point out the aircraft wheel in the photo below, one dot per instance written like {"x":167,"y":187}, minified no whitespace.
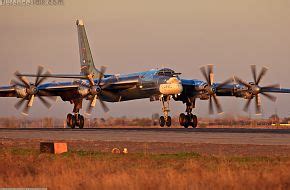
{"x":182,"y":119}
{"x":68,"y":119}
{"x":81,"y":121}
{"x":71,"y":121}
{"x":194,"y":121}
{"x":162,"y":121}
{"x":168,"y":122}
{"x":187,"y":121}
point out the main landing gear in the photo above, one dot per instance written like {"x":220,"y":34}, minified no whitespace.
{"x":188,"y":119}
{"x":76,"y":119}
{"x":166,"y":119}
{"x":185,"y":120}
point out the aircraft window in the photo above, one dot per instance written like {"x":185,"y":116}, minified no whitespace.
{"x":165,"y":72}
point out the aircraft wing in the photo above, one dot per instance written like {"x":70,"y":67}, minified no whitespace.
{"x":48,"y":89}
{"x":7,"y":91}
{"x":68,"y":90}
{"x":277,"y":90}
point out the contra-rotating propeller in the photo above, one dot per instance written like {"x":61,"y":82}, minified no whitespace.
{"x":211,"y":88}
{"x":253,"y":89}
{"x":97,"y":91}
{"x":30,"y":90}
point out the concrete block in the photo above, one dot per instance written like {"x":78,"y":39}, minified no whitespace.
{"x":53,"y":147}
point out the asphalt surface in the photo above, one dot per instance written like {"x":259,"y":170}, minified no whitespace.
{"x":212,"y":135}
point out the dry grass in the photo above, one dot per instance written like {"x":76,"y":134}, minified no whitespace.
{"x":94,"y":170}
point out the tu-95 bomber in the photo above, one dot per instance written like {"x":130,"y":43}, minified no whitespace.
{"x":164,"y":84}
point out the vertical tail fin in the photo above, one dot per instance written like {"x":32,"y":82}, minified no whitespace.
{"x":86,"y":58}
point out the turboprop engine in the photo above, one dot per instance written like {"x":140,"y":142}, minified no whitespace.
{"x":28,"y":91}
{"x":172,"y":86}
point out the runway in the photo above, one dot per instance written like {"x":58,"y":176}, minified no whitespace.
{"x":175,"y":135}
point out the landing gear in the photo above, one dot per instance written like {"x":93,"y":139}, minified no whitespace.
{"x":168,"y":122}
{"x":162,"y":121}
{"x":166,"y":119}
{"x":75,"y":119}
{"x":188,"y":119}
{"x":183,"y":120}
{"x":71,"y":121}
{"x":81,"y":121}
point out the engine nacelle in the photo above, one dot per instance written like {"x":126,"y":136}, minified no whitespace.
{"x":21,"y":92}
{"x":247,"y":95}
{"x":83,"y":91}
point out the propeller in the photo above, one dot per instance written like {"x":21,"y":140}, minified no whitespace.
{"x":96,"y":90}
{"x":31,"y":90}
{"x":211,"y":88}
{"x":253,"y":89}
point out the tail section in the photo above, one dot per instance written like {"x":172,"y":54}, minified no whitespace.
{"x":86,"y":58}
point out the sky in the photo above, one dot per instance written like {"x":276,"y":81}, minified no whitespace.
{"x":133,"y":35}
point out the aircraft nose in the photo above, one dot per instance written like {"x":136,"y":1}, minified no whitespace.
{"x":173,"y":86}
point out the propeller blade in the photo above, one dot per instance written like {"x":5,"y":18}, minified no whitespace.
{"x":203,"y":71}
{"x":104,"y":106}
{"x":91,"y":105}
{"x":47,"y":73}
{"x":246,"y":107}
{"x":262,"y":73}
{"x":269,"y":96}
{"x":19,"y":103}
{"x":217,"y":104}
{"x":47,"y":94}
{"x":225,"y":83}
{"x":94,"y":101}
{"x":270,"y":86}
{"x":22,"y":79}
{"x":45,"y":102}
{"x":254,"y":73}
{"x":240,"y":81}
{"x":210,"y":74}
{"x":26,"y":109}
{"x":101,"y":74}
{"x":89,"y":109}
{"x":210,"y":108}
{"x":92,"y":82}
{"x":14,"y":82}
{"x":38,"y":73}
{"x":109,"y":94}
{"x":31,"y":100}
{"x":258,"y":104}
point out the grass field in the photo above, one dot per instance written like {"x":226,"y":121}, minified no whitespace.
{"x":95,"y":170}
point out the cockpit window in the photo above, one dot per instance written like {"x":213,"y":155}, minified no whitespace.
{"x":165,"y":72}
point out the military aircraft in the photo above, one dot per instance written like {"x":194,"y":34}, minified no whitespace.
{"x":157,"y":85}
